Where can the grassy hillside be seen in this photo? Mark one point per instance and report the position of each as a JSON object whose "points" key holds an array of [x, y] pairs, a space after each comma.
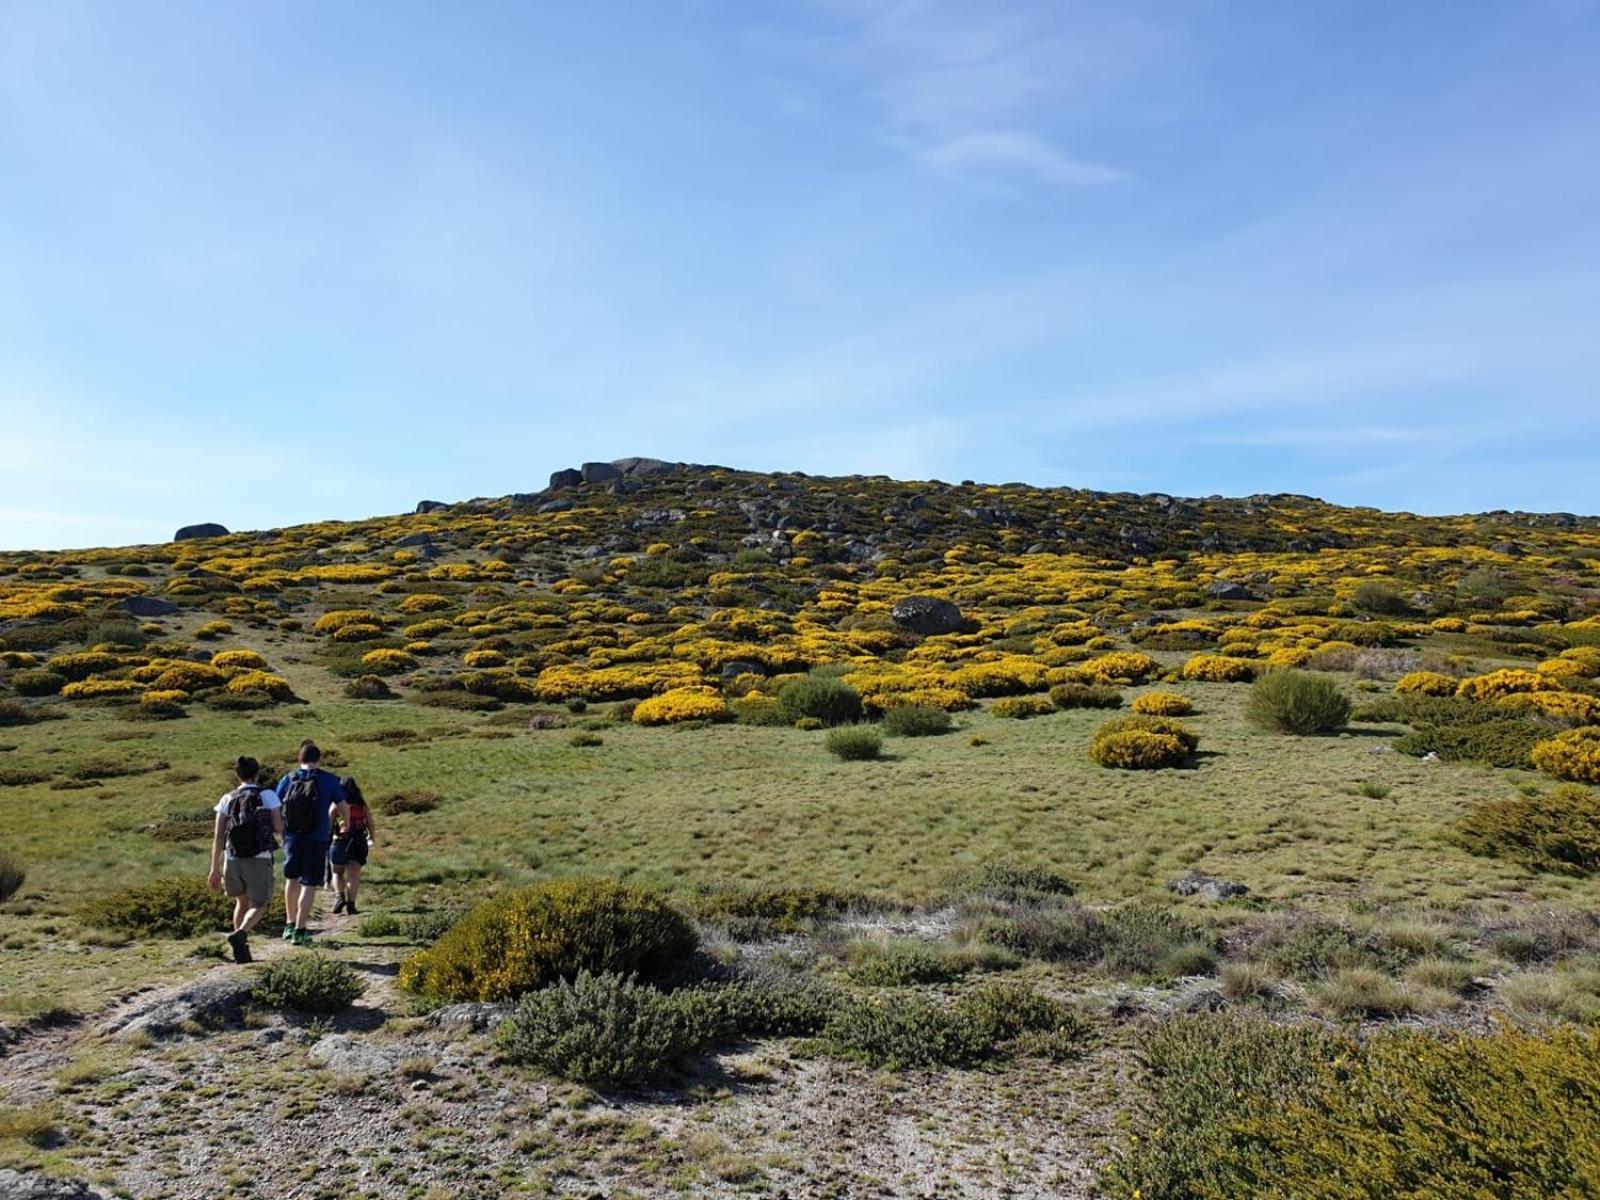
{"points": [[587, 681]]}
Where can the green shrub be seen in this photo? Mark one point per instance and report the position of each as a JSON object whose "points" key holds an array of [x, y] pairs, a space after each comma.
{"points": [[527, 938], [598, 1029], [1558, 832], [12, 876], [916, 720], [586, 740], [831, 701], [1245, 1108], [1022, 707], [854, 743], [20, 777], [426, 928], [38, 683], [902, 1029], [307, 983], [1314, 947], [12, 713], [1378, 599], [177, 907], [1085, 695], [1497, 743], [1297, 702], [1013, 1017]]}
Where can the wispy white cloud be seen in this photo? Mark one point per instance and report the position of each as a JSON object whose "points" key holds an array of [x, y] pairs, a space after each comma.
{"points": [[1004, 150], [969, 91]]}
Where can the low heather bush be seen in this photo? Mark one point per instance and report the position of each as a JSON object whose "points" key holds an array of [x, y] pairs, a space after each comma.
{"points": [[916, 720], [854, 743], [307, 983], [1297, 702]]}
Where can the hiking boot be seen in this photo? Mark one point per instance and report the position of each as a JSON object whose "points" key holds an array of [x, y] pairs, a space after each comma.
{"points": [[350, 908], [288, 933], [240, 943], [302, 937], [338, 905]]}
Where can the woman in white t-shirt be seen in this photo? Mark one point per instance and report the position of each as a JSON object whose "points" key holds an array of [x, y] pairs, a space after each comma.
{"points": [[249, 824]]}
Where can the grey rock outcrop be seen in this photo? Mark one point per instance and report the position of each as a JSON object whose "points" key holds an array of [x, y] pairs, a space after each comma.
{"points": [[927, 615], [565, 479], [1226, 589], [599, 472], [428, 506], [19, 1185], [207, 529], [209, 1001], [149, 606]]}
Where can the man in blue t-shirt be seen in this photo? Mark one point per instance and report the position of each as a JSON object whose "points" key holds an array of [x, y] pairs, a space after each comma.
{"points": [[310, 797]]}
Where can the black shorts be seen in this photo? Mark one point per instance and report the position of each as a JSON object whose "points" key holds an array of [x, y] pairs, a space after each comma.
{"points": [[348, 850]]}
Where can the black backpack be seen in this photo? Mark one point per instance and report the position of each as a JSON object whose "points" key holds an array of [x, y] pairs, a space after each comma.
{"points": [[248, 830], [302, 804]]}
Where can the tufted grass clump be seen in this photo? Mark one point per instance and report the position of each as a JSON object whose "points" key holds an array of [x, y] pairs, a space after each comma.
{"points": [[173, 907], [907, 962], [307, 983], [1297, 702], [753, 913], [12, 713], [821, 698], [530, 937], [13, 874], [368, 687], [916, 720], [854, 743], [415, 800], [1557, 832], [1245, 1107]]}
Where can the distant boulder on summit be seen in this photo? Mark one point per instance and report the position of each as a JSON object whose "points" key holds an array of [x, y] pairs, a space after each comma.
{"points": [[599, 472], [207, 530], [565, 479], [927, 615], [428, 506]]}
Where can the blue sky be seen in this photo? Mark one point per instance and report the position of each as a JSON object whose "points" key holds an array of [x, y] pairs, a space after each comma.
{"points": [[266, 263]]}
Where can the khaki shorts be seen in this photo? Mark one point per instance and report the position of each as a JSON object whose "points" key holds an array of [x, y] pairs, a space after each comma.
{"points": [[250, 877]]}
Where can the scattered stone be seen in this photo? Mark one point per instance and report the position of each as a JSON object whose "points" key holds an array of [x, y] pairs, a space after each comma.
{"points": [[477, 1017], [428, 506], [565, 479], [206, 530], [414, 539], [212, 1001], [927, 615], [149, 606], [1198, 883]]}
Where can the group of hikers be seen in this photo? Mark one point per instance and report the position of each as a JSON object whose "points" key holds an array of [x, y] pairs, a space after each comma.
{"points": [[325, 827]]}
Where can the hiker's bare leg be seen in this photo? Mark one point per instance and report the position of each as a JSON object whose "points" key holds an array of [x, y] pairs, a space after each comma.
{"points": [[352, 880]]}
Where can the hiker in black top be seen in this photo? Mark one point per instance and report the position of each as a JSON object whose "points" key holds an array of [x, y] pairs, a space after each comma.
{"points": [[351, 840], [248, 826]]}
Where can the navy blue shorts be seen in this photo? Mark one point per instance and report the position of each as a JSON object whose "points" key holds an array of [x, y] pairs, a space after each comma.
{"points": [[305, 860]]}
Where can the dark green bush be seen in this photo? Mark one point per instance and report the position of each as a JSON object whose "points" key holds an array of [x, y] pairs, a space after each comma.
{"points": [[916, 720], [854, 743], [1558, 832], [12, 713], [599, 1029], [416, 800], [831, 701], [1297, 702], [530, 937], [756, 709], [1310, 948], [1503, 743], [1010, 882], [586, 740], [902, 1029], [1085, 695], [19, 777], [38, 683], [1012, 1016], [904, 963], [380, 925], [307, 983], [177, 906], [1379, 600], [12, 876]]}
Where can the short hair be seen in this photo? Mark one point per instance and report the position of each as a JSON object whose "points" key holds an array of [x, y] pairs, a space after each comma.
{"points": [[309, 752], [246, 768]]}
